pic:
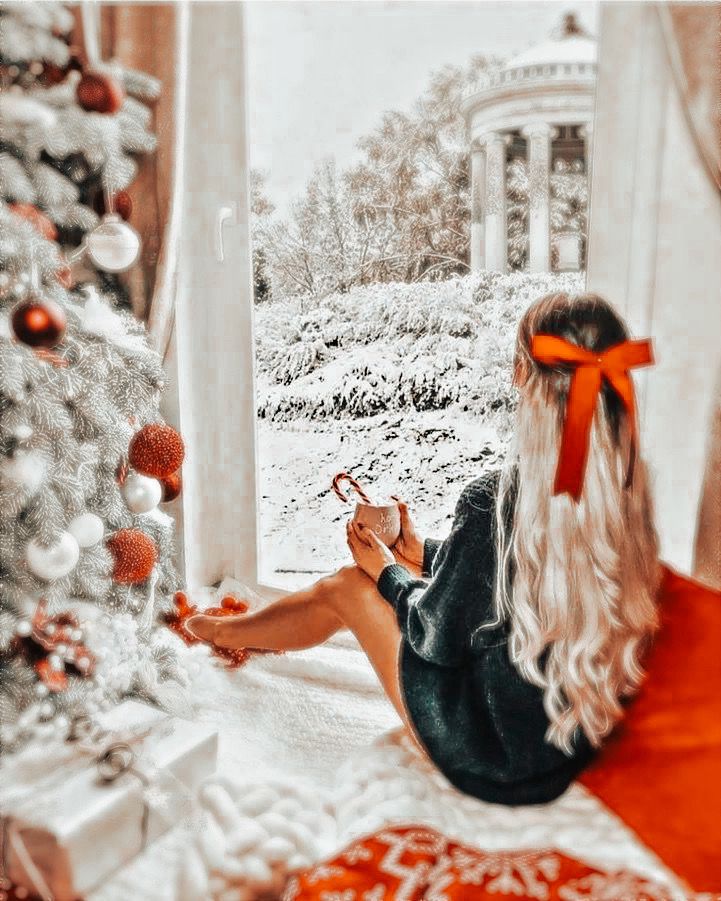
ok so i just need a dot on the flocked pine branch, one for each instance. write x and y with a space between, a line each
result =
68 409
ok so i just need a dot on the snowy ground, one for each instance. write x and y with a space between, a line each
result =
406 387
425 458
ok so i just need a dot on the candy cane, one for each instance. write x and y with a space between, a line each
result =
344 477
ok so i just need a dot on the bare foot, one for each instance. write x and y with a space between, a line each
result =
202 626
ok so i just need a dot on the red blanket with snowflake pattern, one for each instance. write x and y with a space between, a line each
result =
414 863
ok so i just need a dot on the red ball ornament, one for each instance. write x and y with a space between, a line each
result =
38 323
53 74
122 204
134 554
172 485
99 93
156 450
36 218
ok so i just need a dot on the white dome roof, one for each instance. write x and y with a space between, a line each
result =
571 49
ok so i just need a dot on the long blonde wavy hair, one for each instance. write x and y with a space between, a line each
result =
584 576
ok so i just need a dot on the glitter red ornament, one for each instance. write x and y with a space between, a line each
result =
38 219
134 554
156 450
172 485
38 323
99 93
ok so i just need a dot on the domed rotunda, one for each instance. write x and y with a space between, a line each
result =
538 106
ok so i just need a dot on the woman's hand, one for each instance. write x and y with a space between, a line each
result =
410 543
368 551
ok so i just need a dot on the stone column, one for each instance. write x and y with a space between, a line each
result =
478 203
496 237
539 136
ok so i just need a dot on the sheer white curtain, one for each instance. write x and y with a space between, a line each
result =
655 251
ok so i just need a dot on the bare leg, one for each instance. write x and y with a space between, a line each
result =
299 620
308 617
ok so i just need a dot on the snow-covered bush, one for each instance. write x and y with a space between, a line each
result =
397 346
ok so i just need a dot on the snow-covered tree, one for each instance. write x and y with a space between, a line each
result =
86 556
569 200
261 210
568 205
412 185
400 214
517 194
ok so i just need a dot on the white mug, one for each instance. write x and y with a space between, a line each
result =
383 519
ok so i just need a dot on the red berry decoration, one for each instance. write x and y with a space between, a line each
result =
156 450
38 323
122 204
99 93
229 606
172 485
56 635
134 554
38 219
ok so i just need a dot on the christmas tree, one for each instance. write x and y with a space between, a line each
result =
86 555
69 138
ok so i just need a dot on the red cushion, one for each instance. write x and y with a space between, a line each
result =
661 770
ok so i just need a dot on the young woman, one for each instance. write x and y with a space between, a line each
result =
510 676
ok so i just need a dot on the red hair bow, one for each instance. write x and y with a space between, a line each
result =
613 364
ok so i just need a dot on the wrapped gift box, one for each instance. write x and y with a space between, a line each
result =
77 828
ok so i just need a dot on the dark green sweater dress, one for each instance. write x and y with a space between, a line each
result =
482 724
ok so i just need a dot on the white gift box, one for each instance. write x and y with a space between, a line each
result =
76 828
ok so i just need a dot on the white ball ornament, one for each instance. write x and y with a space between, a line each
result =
141 493
87 529
53 562
113 246
22 432
25 469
